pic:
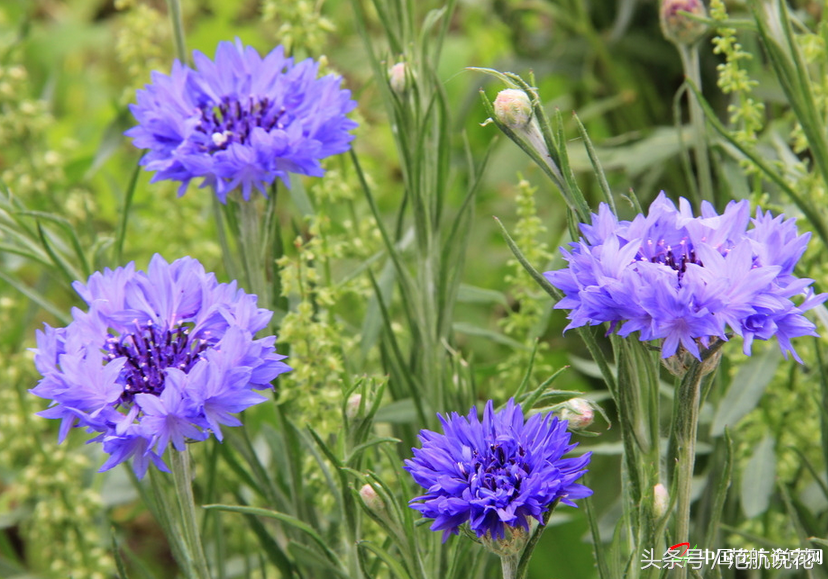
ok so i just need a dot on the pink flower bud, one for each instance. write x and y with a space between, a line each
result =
398 77
513 108
352 406
661 500
371 499
679 28
578 412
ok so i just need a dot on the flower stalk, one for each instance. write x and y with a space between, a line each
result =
690 62
686 423
252 249
509 564
174 6
197 563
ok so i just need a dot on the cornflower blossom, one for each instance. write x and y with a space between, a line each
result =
685 280
159 357
241 120
495 474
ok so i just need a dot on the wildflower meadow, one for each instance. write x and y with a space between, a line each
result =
398 289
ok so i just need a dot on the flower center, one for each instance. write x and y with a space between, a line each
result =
675 256
503 467
232 120
149 351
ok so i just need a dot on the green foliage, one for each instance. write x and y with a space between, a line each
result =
397 296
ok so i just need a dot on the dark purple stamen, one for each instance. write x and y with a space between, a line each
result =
149 352
234 119
675 258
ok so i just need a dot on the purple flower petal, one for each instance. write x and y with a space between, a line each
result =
496 473
160 357
241 121
685 279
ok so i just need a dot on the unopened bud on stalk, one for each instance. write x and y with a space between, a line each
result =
352 406
661 500
371 499
578 412
513 108
398 77
679 28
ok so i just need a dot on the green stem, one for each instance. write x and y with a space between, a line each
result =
186 506
686 428
509 564
174 7
690 62
253 249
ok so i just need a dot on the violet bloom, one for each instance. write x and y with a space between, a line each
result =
159 357
495 474
241 121
682 279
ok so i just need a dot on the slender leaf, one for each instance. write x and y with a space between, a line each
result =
745 390
758 479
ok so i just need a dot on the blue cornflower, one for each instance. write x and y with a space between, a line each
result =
241 121
495 474
159 357
686 279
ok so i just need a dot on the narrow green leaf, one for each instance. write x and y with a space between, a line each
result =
721 491
595 532
36 297
129 193
402 275
585 333
528 375
745 390
269 546
66 226
300 197
532 397
356 452
402 411
407 377
119 561
470 294
472 330
758 479
386 557
308 557
596 164
69 272
287 519
373 322
823 411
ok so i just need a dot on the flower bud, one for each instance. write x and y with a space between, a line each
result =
352 406
371 499
398 77
513 108
661 500
578 413
679 28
